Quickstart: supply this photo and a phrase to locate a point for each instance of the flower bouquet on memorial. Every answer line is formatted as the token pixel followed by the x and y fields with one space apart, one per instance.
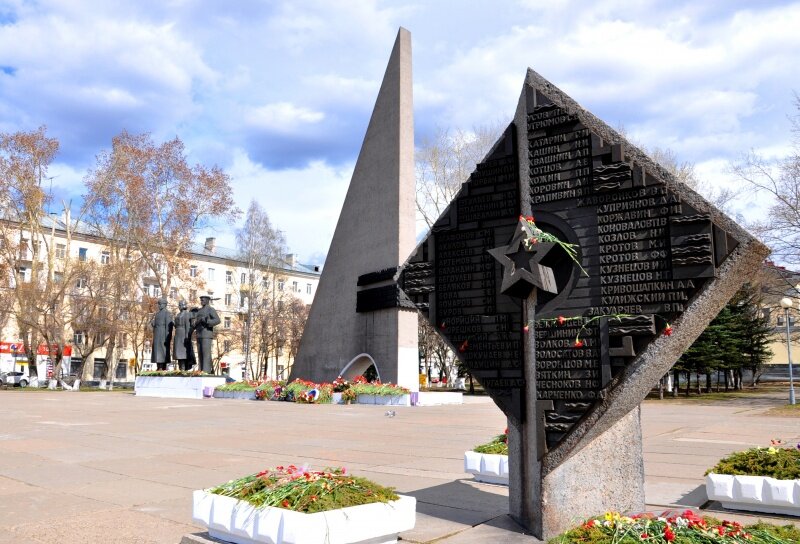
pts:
pixel 535 235
pixel 498 445
pixel 304 490
pixel 349 395
pixel 340 385
pixel 686 528
pixel 267 389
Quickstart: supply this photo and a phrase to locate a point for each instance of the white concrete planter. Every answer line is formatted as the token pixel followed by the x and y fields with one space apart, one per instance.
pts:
pixel 239 522
pixel 336 398
pixel 433 398
pixel 385 400
pixel 755 493
pixel 242 395
pixel 175 387
pixel 487 467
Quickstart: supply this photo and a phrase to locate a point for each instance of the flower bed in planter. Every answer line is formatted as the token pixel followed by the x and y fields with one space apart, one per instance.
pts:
pixel 489 462
pixel 175 387
pixel 759 479
pixel 376 392
pixel 688 528
pixel 294 505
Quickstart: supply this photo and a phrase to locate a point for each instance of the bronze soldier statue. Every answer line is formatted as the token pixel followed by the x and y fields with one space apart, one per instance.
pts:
pixel 206 319
pixel 162 329
pixel 182 351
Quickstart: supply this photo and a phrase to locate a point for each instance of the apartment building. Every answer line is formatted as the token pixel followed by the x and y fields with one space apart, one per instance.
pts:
pixel 210 269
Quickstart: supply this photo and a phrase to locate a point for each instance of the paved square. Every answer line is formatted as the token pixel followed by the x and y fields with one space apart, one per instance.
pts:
pixel 112 467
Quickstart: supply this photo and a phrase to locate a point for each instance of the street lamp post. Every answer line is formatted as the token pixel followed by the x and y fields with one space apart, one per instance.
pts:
pixel 786 303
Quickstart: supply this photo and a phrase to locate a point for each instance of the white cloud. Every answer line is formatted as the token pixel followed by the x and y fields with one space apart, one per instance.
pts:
pixel 304 202
pixel 281 116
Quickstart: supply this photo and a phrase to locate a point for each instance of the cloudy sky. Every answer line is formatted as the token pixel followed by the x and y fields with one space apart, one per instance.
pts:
pixel 279 93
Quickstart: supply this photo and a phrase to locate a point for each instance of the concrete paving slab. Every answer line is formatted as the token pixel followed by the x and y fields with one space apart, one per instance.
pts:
pixel 500 529
pixel 117 526
pixel 144 456
pixel 435 522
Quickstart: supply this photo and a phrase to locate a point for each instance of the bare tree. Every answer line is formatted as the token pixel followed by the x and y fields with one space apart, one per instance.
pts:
pixel 150 204
pixel 445 161
pixel 780 180
pixel 33 280
pixel 261 247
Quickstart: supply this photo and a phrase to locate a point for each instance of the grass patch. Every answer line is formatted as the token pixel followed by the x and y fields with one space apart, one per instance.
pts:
pixel 304 490
pixel 787 410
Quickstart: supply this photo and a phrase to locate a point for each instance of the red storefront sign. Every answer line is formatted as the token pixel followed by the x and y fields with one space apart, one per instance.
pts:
pixel 42 349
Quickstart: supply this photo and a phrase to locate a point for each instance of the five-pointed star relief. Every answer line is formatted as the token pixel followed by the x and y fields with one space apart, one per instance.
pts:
pixel 521 269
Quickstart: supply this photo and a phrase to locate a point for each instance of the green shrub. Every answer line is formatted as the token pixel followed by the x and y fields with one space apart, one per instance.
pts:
pixel 779 463
pixel 379 389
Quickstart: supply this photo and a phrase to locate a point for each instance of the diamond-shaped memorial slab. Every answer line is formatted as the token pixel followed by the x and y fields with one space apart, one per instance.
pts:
pixel 652 256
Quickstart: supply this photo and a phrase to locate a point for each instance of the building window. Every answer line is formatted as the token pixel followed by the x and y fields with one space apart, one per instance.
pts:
pixel 105 257
pixel 280 305
pixel 24 274
pixel 121 372
pixel 193 271
pixel 243 278
pixel 308 288
pixel 280 286
pixel 242 300
pixel 228 298
pixel 61 251
pixel 99 369
pixel 227 323
pixel 82 283
pixel 79 338
pixel 146 290
pixel 226 345
pixel 295 287
pixel 157 292
pixel 82 253
pixel 228 277
pixel 193 294
pixel 23 249
pixel 265 282
pixel 173 293
pixel 58 277
pixel 210 276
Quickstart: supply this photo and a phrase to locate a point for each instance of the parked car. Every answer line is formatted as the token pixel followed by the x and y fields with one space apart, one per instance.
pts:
pixel 14 378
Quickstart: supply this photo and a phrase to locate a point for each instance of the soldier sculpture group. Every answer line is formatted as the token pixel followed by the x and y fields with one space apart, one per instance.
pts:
pixel 178 331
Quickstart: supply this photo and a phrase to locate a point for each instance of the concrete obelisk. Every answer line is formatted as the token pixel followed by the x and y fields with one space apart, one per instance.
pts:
pixel 375 232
